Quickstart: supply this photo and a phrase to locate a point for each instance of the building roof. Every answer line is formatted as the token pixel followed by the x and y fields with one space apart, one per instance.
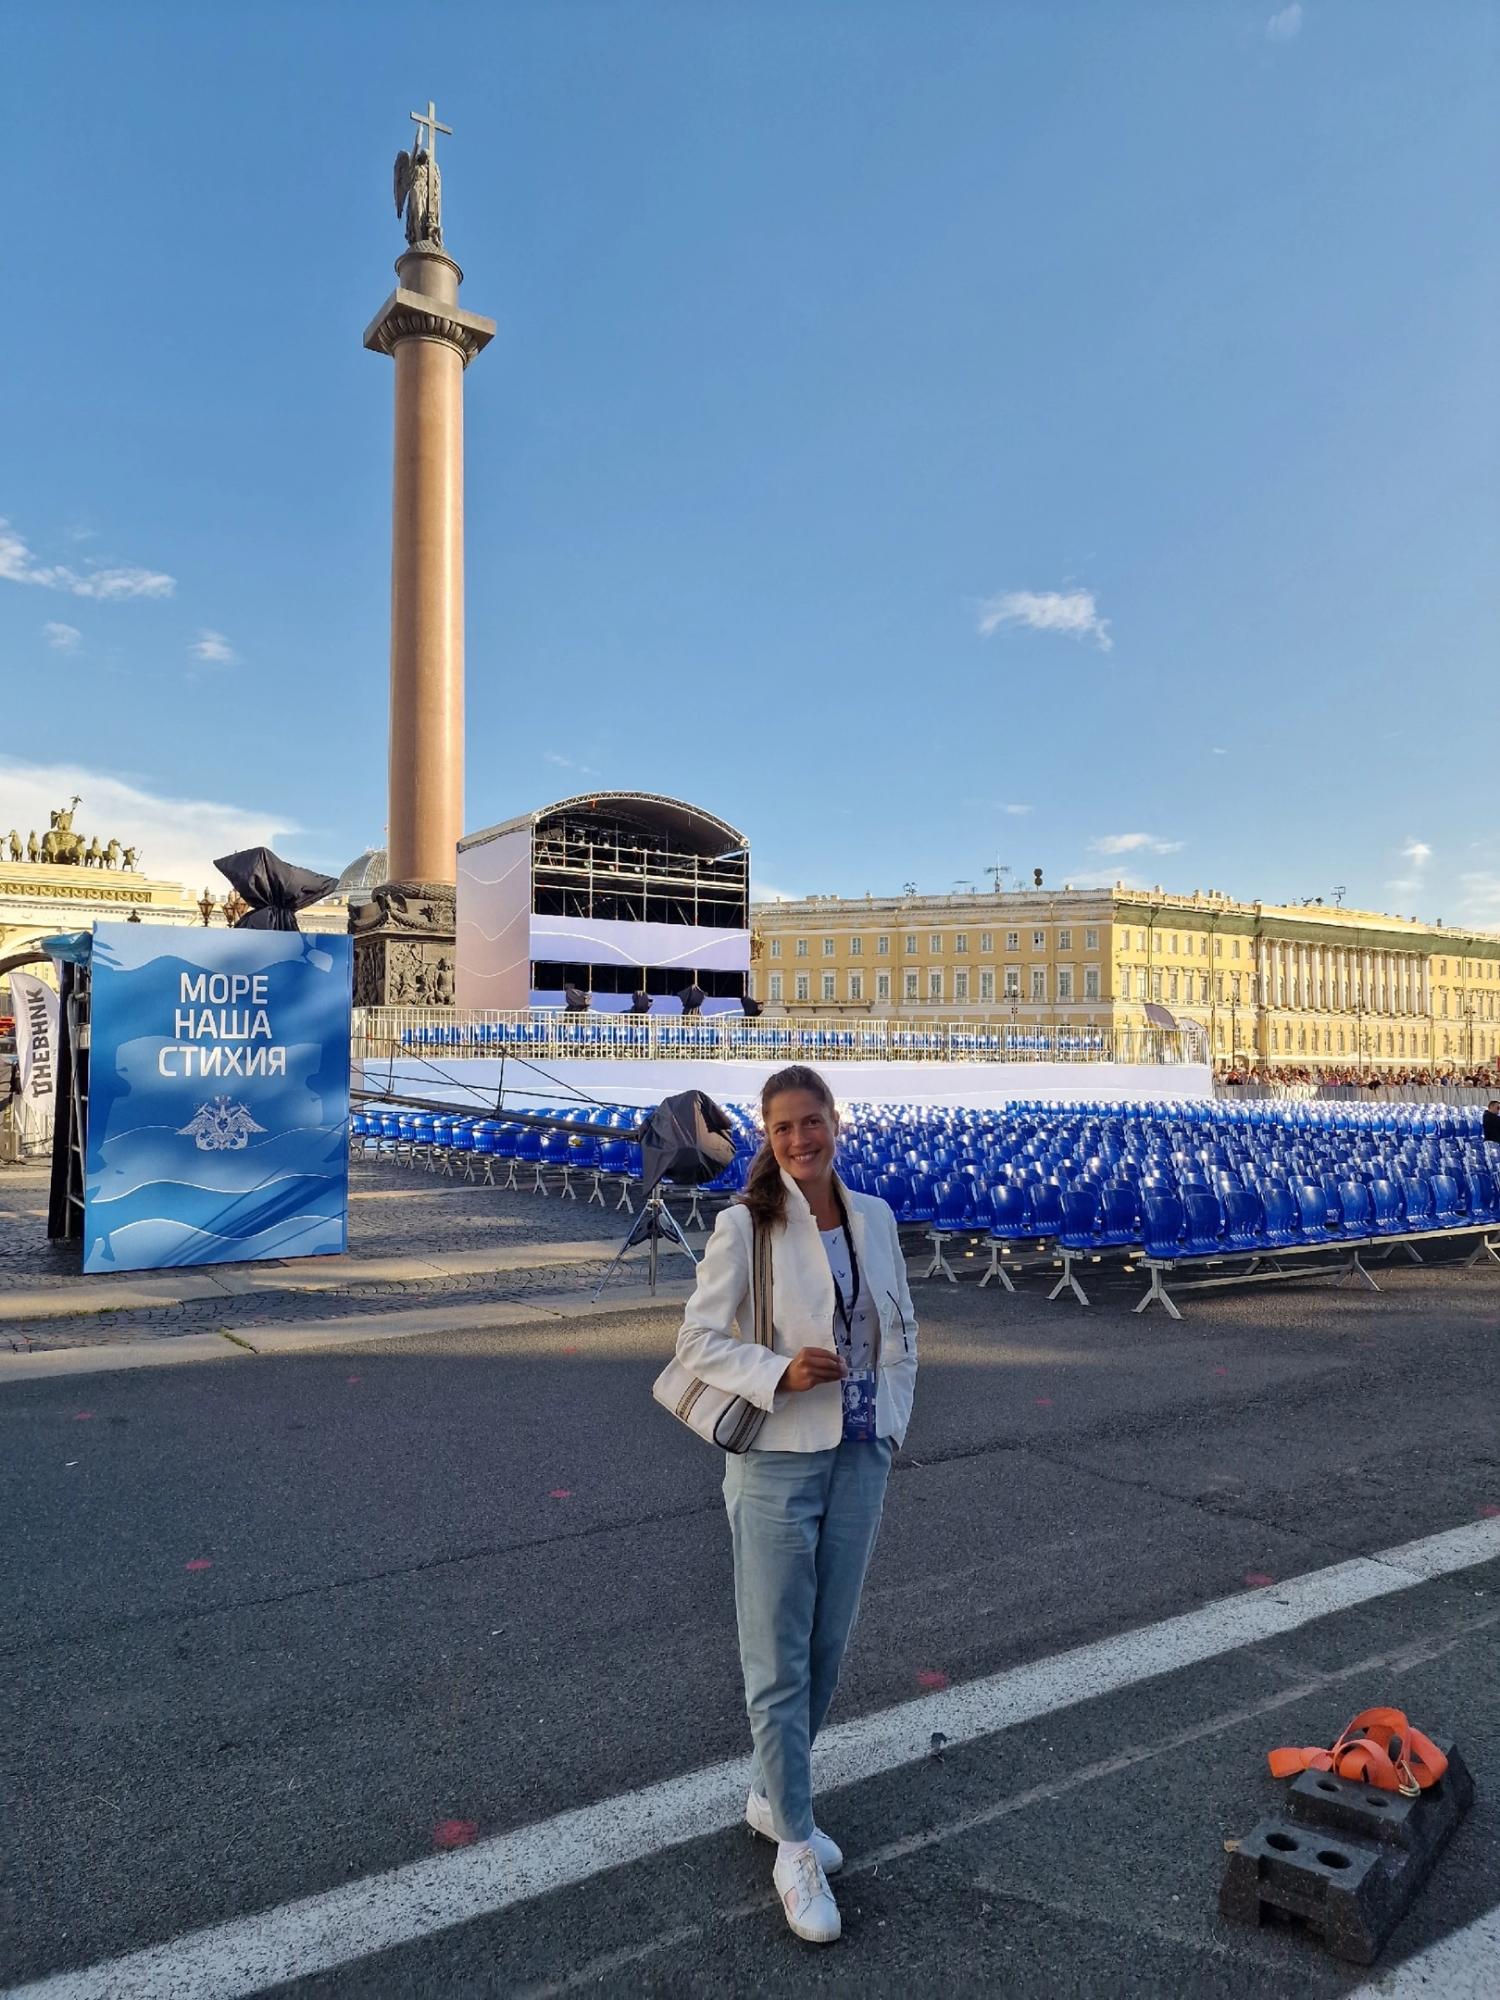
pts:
pixel 363 872
pixel 692 825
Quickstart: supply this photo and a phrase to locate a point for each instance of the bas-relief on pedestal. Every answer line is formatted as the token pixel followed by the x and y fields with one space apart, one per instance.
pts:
pixel 403 946
pixel 404 936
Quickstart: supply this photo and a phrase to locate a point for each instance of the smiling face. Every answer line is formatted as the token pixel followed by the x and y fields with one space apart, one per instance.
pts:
pixel 803 1134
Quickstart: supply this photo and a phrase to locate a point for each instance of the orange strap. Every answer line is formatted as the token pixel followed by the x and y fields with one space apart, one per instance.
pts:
pixel 1378 1748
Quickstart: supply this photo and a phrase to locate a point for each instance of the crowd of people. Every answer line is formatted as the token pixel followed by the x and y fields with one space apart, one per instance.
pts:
pixel 1485 1077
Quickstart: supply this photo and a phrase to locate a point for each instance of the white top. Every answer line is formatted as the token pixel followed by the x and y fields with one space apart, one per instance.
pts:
pixel 857 1346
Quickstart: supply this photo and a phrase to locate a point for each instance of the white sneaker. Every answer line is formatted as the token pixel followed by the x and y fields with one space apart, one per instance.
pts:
pixel 807 1898
pixel 758 1819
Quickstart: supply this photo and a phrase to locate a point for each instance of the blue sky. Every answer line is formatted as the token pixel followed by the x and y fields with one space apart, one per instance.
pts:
pixel 934 435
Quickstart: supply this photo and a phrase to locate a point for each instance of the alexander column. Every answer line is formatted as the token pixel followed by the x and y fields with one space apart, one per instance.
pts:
pixel 404 936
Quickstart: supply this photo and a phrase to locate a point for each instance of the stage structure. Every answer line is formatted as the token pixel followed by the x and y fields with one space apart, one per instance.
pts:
pixel 612 892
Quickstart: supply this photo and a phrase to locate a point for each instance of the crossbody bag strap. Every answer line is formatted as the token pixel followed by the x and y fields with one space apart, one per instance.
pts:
pixel 760 1268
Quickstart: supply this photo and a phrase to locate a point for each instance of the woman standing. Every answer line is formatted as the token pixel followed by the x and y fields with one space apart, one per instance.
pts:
pixel 804 1502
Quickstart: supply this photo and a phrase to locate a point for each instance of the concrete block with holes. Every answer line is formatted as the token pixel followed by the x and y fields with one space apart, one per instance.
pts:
pixel 1345 1859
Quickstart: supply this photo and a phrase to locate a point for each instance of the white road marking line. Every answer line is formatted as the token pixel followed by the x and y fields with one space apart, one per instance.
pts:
pixel 1465 1965
pixel 317 1933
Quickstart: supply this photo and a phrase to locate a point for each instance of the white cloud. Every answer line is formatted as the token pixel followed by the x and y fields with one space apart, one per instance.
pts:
pixel 568 764
pixel 1286 25
pixel 1015 811
pixel 764 892
pixel 1073 612
pixel 18 565
pixel 177 838
pixel 1134 843
pixel 61 638
pixel 1417 852
pixel 1479 899
pixel 1217 752
pixel 215 649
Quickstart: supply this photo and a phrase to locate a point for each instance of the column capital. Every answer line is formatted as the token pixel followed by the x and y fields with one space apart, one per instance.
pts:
pixel 408 315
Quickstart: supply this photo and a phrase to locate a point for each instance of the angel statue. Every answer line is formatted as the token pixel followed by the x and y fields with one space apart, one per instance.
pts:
pixel 419 192
pixel 16 849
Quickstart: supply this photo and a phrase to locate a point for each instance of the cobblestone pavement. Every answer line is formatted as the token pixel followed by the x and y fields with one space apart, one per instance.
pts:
pixel 394 1211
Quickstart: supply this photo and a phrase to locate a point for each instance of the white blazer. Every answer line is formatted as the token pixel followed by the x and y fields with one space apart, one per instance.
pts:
pixel 709 1347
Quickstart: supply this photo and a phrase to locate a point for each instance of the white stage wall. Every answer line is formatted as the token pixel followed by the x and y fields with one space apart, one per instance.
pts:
pixel 471 1081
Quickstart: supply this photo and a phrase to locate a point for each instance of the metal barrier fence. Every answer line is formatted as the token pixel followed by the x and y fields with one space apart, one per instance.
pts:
pixel 547 1034
pixel 1458 1094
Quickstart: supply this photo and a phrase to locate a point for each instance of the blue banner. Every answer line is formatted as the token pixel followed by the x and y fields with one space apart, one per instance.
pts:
pixel 218 1117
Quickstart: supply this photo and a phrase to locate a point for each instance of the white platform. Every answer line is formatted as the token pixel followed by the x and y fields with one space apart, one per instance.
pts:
pixel 471 1081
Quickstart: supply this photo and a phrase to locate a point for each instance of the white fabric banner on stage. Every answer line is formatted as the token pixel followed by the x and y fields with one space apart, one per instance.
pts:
pixel 36 1045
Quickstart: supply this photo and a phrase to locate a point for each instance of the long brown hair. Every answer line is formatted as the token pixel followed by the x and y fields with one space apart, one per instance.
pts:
pixel 765 1190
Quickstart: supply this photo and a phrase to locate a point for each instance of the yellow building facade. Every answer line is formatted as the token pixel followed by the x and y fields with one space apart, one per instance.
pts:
pixel 1306 985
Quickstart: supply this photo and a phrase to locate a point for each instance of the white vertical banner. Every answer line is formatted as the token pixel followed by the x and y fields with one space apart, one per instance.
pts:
pixel 36 1048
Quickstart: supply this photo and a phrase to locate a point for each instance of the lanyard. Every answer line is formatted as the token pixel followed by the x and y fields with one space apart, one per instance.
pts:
pixel 846 1312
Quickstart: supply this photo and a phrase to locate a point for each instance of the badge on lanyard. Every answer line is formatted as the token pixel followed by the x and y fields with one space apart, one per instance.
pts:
pixel 858 1388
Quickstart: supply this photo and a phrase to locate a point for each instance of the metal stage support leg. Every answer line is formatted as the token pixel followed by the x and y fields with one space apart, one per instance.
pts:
pixel 655 1223
pixel 1482 1249
pixel 1355 1269
pixel 596 1192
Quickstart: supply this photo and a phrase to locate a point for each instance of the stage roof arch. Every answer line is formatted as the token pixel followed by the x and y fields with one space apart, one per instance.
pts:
pixel 647 812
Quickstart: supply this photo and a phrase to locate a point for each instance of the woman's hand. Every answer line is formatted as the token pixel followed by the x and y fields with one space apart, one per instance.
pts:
pixel 810 1368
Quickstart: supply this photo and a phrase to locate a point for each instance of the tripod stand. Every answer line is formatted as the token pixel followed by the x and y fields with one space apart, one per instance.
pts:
pixel 654 1225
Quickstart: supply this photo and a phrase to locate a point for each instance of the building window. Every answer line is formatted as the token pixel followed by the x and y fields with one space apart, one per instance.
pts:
pixel 911 944
pixel 1273 1041
pixel 1173 936
pixel 1038 983
pixel 935 941
pixel 882 947
pixel 1236 988
pixel 775 985
pixel 1012 982
pixel 1065 940
pixel 776 947
pixel 1091 983
pixel 802 947
pixel 828 993
pixel 1156 985
pixel 1038 940
pixel 986 940
pixel 960 985
pixel 802 986
pixel 935 982
pixel 828 947
pixel 1065 983
pixel 882 986
pixel 1234 948
pixel 961 942
pixel 1012 940
pixel 1173 989
pixel 1091 940
pixel 1124 973
pixel 856 986
pixel 1202 989
pixel 856 947
pixel 911 986
pixel 986 985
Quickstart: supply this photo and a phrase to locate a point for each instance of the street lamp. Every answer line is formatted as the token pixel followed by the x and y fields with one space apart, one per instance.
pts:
pixel 235 907
pixel 207 904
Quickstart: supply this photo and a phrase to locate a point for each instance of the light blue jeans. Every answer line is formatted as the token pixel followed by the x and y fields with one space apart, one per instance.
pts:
pixel 804 1525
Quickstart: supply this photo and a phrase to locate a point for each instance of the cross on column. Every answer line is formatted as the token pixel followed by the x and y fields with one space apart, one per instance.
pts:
pixel 428 129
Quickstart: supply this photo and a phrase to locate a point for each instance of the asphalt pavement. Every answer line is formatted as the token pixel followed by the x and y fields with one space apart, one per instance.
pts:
pixel 277 1627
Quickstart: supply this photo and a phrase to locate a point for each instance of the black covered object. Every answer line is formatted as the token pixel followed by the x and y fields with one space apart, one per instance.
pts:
pixel 692 998
pixel 686 1139
pixel 748 1007
pixel 640 1002
pixel 273 888
pixel 575 999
